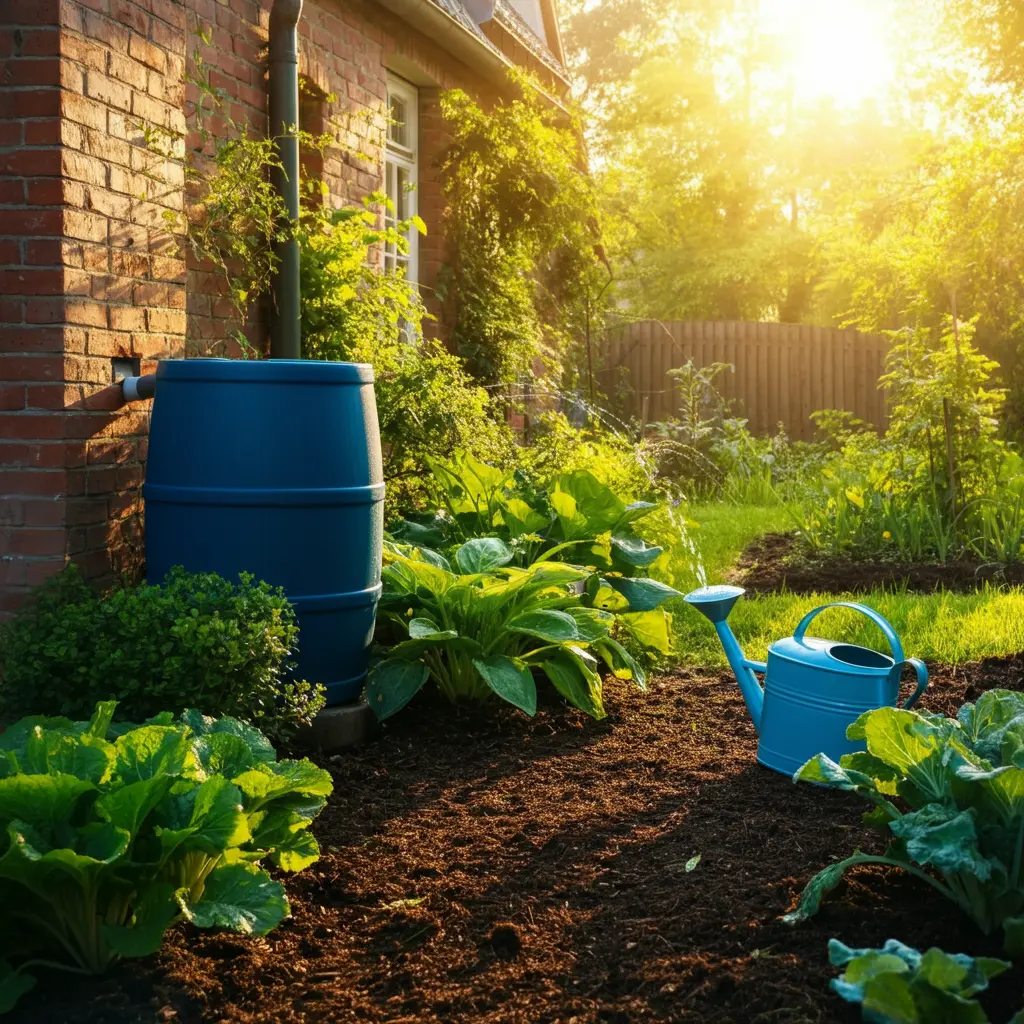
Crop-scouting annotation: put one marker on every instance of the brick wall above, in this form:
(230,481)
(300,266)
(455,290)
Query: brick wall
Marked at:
(90,272)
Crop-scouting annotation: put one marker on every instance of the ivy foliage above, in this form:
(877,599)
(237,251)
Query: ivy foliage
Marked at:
(521,221)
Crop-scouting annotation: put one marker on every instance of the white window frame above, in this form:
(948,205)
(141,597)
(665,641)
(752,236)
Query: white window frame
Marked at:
(398,159)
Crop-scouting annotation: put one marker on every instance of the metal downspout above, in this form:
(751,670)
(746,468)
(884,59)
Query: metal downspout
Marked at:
(285,324)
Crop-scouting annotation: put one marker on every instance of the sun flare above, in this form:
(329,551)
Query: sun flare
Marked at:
(835,49)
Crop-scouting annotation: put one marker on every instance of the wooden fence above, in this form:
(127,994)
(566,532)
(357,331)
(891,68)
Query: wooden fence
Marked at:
(783,372)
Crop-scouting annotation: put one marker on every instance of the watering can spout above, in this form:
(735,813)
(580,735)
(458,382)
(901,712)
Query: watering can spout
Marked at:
(715,603)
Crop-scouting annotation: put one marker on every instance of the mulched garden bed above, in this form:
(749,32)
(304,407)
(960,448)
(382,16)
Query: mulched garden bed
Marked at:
(504,870)
(774,562)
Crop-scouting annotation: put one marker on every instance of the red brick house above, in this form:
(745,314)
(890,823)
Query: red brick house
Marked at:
(92,286)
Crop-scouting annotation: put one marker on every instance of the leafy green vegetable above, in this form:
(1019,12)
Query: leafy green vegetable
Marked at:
(949,793)
(899,985)
(482,633)
(108,835)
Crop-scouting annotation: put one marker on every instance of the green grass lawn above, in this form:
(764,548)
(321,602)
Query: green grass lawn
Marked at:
(952,628)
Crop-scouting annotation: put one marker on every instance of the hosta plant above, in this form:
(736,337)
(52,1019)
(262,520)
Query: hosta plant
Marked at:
(949,795)
(480,629)
(899,985)
(574,518)
(111,833)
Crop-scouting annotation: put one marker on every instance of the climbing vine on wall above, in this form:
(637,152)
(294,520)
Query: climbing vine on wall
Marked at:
(521,226)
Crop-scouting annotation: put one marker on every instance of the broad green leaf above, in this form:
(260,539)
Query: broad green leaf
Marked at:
(392,684)
(521,519)
(410,650)
(260,747)
(546,624)
(594,509)
(918,749)
(427,629)
(482,554)
(284,835)
(511,680)
(154,750)
(947,840)
(153,915)
(1013,936)
(431,534)
(85,756)
(634,512)
(822,770)
(102,716)
(208,818)
(591,623)
(271,782)
(633,551)
(13,985)
(220,753)
(240,897)
(643,595)
(620,661)
(821,885)
(43,801)
(128,807)
(96,846)
(649,628)
(579,687)
(900,985)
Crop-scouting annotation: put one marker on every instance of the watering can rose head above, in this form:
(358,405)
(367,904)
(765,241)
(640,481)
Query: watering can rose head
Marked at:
(813,689)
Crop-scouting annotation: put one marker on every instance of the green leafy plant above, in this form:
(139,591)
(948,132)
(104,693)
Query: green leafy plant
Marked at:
(111,833)
(899,985)
(195,641)
(480,631)
(949,794)
(576,516)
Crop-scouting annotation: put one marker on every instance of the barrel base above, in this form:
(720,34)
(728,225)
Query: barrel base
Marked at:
(345,691)
(337,728)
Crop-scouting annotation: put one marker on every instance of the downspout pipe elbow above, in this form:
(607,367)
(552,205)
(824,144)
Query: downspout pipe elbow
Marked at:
(137,389)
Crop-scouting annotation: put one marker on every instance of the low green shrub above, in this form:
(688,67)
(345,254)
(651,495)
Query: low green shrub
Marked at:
(111,833)
(949,795)
(899,985)
(195,641)
(481,630)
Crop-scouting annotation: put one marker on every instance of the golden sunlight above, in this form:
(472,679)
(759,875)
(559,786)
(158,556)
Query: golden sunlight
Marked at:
(835,49)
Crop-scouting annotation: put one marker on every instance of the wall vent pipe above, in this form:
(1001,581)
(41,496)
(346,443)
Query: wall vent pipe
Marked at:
(285,323)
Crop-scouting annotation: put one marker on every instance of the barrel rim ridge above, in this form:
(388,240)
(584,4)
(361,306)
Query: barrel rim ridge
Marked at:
(265,371)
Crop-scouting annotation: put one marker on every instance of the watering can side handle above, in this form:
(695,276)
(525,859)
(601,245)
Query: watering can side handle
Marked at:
(757,666)
(890,633)
(896,675)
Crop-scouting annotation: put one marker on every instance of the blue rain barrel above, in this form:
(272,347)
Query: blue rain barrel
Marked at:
(274,468)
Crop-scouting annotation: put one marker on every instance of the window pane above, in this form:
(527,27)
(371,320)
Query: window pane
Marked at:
(397,132)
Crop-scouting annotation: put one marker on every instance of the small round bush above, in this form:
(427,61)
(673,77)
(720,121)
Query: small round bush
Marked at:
(197,641)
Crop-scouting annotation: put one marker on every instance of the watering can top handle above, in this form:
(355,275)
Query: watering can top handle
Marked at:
(890,633)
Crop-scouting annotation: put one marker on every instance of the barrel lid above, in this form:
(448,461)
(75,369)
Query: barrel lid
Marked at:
(832,656)
(265,371)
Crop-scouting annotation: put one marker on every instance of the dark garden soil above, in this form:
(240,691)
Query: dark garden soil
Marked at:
(505,870)
(774,562)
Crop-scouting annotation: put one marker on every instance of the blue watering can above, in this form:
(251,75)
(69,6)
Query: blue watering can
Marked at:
(813,689)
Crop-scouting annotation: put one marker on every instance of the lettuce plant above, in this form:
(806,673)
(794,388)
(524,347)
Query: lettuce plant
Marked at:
(111,833)
(899,985)
(482,631)
(949,794)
